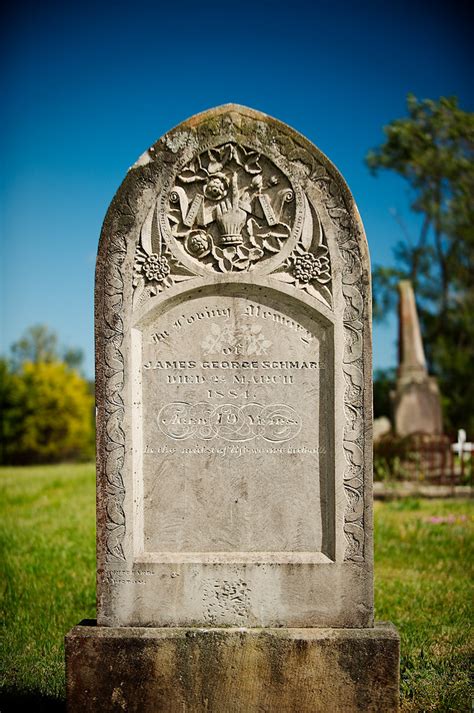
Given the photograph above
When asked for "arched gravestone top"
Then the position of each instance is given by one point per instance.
(233, 369)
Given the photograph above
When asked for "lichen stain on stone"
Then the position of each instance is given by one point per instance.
(179, 140)
(198, 659)
(118, 700)
(273, 649)
(301, 647)
(143, 160)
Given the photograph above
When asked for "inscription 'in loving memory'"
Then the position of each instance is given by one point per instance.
(249, 332)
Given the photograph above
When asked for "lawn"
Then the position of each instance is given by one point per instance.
(47, 539)
(47, 542)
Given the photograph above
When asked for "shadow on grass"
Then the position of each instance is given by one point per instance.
(15, 701)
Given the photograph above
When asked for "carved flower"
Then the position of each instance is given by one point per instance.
(308, 267)
(155, 267)
(216, 188)
(236, 257)
(198, 243)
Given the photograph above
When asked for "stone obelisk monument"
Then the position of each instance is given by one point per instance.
(416, 401)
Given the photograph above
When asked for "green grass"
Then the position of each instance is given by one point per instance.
(47, 558)
(423, 566)
(47, 540)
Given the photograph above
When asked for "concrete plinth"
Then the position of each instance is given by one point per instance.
(146, 670)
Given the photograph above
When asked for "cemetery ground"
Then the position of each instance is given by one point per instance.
(423, 553)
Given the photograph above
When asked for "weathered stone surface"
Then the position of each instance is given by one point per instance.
(416, 401)
(147, 670)
(233, 342)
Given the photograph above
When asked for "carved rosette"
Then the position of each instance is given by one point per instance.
(155, 267)
(308, 268)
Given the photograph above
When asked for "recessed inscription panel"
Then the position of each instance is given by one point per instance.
(236, 456)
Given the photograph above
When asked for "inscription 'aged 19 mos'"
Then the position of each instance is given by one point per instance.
(234, 367)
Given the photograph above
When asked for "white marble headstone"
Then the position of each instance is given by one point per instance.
(233, 352)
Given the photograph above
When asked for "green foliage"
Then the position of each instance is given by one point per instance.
(47, 414)
(47, 407)
(384, 383)
(433, 149)
(40, 344)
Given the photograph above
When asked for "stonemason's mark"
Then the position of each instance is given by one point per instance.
(120, 576)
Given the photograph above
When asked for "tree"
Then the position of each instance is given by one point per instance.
(433, 149)
(40, 344)
(384, 383)
(47, 415)
(10, 411)
(47, 406)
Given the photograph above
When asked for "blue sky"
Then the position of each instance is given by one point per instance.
(88, 88)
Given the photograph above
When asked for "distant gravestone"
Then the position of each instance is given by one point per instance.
(416, 401)
(233, 360)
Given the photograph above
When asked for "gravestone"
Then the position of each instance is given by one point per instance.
(416, 400)
(234, 427)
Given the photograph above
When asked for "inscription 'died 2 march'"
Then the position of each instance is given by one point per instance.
(239, 386)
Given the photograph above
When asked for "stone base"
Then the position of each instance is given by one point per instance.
(146, 670)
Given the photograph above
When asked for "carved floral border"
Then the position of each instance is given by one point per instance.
(114, 409)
